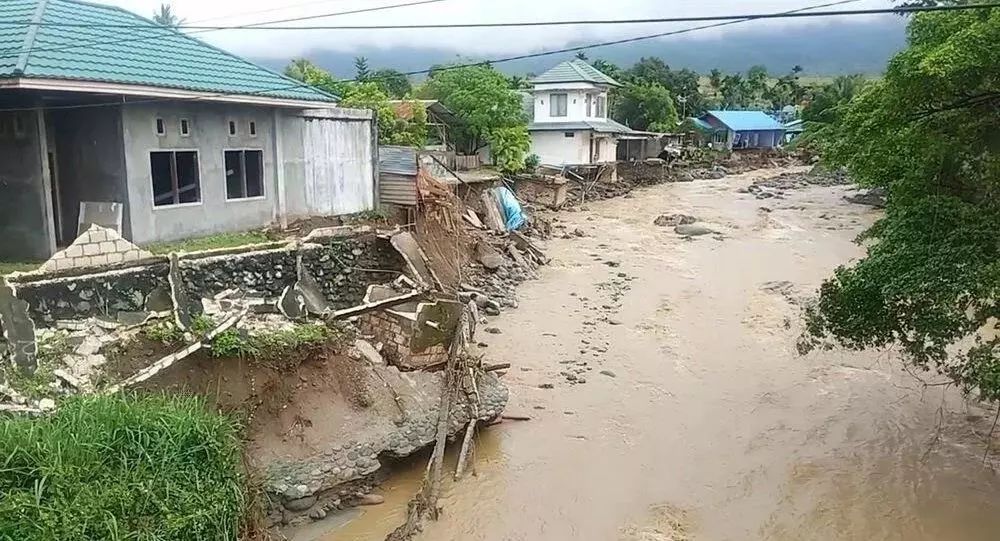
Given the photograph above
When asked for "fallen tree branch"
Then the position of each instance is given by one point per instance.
(495, 367)
(515, 417)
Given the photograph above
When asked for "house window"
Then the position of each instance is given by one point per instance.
(160, 127)
(590, 105)
(176, 178)
(557, 105)
(244, 174)
(568, 134)
(185, 127)
(602, 107)
(232, 127)
(252, 128)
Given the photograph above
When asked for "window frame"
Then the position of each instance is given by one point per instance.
(553, 104)
(263, 175)
(601, 106)
(180, 127)
(232, 128)
(252, 128)
(157, 120)
(197, 157)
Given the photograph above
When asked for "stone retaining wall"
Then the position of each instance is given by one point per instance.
(344, 266)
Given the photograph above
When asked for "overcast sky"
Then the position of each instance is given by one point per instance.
(472, 42)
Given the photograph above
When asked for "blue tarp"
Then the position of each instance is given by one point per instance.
(512, 212)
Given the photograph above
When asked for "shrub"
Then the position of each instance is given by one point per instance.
(121, 468)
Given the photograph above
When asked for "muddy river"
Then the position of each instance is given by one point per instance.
(697, 418)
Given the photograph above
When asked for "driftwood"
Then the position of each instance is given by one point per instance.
(425, 502)
(495, 367)
(515, 417)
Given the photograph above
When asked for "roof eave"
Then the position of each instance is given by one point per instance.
(98, 87)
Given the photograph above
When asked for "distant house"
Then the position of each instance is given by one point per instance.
(182, 139)
(794, 129)
(742, 129)
(570, 124)
(440, 121)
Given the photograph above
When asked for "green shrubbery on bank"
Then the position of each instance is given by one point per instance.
(121, 468)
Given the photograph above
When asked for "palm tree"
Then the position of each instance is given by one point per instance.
(167, 17)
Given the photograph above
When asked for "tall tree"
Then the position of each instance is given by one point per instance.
(392, 82)
(167, 17)
(361, 71)
(926, 132)
(646, 106)
(482, 98)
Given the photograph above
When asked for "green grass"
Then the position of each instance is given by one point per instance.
(265, 346)
(51, 351)
(7, 267)
(121, 468)
(214, 242)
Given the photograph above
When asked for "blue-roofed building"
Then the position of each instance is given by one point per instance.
(743, 129)
(100, 105)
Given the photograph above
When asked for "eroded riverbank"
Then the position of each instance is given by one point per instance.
(704, 412)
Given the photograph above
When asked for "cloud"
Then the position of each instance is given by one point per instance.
(466, 42)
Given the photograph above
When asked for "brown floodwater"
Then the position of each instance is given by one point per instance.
(711, 427)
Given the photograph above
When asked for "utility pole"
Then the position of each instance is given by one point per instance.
(683, 101)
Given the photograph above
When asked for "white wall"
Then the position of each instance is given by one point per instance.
(608, 149)
(554, 148)
(576, 101)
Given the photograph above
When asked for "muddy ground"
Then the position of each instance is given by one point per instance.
(668, 401)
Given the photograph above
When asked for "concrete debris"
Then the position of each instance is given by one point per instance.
(488, 257)
(18, 329)
(416, 260)
(292, 303)
(96, 247)
(673, 220)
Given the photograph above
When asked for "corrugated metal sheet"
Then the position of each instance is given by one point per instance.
(397, 189)
(339, 172)
(746, 120)
(401, 160)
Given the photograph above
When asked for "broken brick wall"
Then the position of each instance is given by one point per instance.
(396, 333)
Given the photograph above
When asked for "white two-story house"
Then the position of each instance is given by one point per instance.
(570, 124)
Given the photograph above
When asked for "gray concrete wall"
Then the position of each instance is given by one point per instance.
(90, 162)
(210, 137)
(292, 127)
(23, 214)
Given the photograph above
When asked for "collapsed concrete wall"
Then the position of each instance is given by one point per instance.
(344, 265)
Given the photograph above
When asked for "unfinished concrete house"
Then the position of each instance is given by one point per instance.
(109, 118)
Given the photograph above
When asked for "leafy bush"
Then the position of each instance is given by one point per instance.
(509, 147)
(532, 162)
(121, 468)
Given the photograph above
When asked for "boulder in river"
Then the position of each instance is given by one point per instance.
(671, 220)
(691, 230)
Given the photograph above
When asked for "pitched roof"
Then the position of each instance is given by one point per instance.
(599, 126)
(574, 71)
(747, 120)
(124, 48)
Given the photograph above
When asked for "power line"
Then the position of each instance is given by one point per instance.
(606, 22)
(614, 42)
(165, 32)
(269, 10)
(458, 66)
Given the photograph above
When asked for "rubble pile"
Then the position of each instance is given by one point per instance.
(776, 187)
(501, 264)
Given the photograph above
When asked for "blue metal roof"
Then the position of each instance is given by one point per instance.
(398, 160)
(747, 120)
